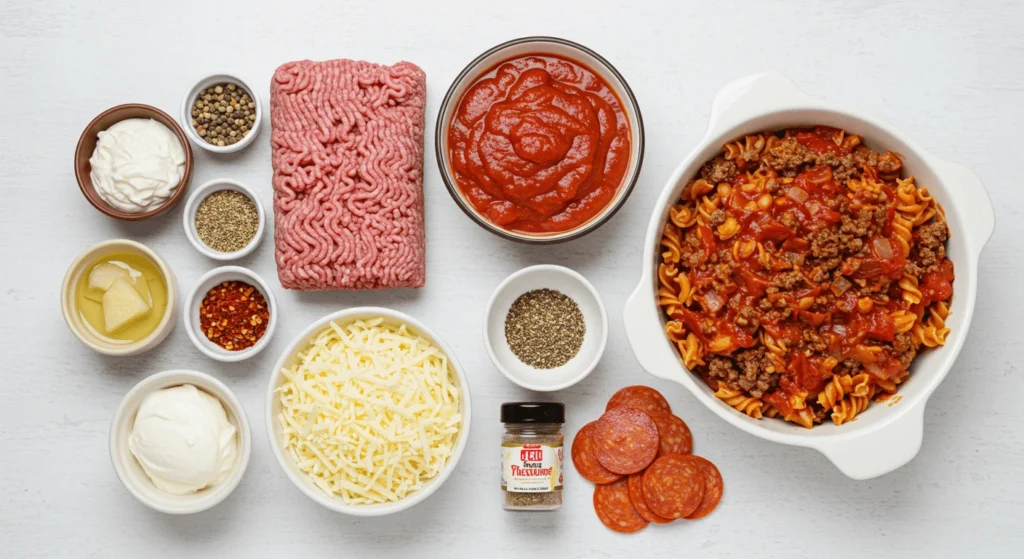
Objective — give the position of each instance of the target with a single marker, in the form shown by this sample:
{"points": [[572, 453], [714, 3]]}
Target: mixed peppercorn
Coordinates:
{"points": [[223, 114]]}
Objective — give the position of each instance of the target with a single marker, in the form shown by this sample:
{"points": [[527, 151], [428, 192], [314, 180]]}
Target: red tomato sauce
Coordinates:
{"points": [[539, 144]]}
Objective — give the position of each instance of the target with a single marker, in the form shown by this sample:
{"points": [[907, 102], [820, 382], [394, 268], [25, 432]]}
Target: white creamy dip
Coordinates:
{"points": [[183, 440], [137, 165]]}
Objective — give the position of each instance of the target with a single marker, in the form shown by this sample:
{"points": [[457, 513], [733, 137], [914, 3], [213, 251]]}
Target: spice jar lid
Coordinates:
{"points": [[532, 412]]}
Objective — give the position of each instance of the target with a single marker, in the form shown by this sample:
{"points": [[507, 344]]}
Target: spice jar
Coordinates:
{"points": [[531, 455]]}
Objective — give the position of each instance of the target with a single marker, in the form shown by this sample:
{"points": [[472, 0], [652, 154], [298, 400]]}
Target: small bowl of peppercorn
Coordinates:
{"points": [[221, 113], [224, 219], [231, 314]]}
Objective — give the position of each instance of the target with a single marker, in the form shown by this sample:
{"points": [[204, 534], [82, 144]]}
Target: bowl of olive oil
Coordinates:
{"points": [[119, 298]]}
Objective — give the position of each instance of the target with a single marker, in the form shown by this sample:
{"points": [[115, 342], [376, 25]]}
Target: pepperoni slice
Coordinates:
{"points": [[674, 485], [636, 496], [674, 435], [611, 502], [713, 486], [640, 397], [625, 440], [585, 461]]}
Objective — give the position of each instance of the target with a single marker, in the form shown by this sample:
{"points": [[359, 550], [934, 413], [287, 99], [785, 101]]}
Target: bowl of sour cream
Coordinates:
{"points": [[180, 441], [133, 162]]}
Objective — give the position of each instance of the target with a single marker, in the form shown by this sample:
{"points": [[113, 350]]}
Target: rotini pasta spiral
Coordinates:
{"points": [[911, 292], [777, 347], [835, 390], [862, 385], [691, 351], [903, 320], [707, 206], [747, 149], [804, 418], [908, 198], [682, 216], [743, 249], [847, 409], [699, 188], [675, 331], [729, 229], [671, 242], [742, 402], [901, 229], [932, 331]]}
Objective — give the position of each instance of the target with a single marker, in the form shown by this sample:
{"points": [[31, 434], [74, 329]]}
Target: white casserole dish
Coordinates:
{"points": [[884, 437]]}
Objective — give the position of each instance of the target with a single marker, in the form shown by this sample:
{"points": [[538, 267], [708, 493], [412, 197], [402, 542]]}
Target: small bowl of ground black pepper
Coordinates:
{"points": [[545, 328], [231, 314], [221, 113], [224, 219]]}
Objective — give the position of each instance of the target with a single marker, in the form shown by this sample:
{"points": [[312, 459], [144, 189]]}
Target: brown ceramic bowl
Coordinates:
{"points": [[87, 143]]}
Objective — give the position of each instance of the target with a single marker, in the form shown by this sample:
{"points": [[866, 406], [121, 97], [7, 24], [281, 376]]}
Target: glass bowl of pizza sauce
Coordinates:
{"points": [[539, 140]]}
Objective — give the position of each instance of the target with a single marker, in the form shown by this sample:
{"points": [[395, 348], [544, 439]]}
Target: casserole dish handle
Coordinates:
{"points": [[755, 94], [972, 201], [646, 334], [880, 451]]}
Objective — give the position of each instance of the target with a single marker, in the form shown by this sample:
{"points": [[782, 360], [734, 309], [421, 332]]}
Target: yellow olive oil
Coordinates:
{"points": [[103, 306]]}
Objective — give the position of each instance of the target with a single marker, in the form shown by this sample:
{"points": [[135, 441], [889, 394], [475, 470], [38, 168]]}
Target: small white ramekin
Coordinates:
{"points": [[189, 218], [130, 472], [195, 299], [190, 98], [77, 324], [569, 283]]}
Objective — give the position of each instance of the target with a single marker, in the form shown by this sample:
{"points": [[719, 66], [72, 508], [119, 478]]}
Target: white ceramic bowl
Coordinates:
{"points": [[566, 49], [273, 409], [134, 478], [195, 298], [884, 437], [197, 197], [569, 283], [77, 324], [190, 98]]}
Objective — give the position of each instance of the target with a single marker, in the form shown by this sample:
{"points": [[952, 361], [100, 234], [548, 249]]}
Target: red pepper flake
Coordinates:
{"points": [[234, 315]]}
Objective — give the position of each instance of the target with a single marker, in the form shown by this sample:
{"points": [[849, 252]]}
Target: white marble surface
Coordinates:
{"points": [[951, 74]]}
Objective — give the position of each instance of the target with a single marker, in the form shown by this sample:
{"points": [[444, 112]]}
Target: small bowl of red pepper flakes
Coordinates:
{"points": [[231, 314]]}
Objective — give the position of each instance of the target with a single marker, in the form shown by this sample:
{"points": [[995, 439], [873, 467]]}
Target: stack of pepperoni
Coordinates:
{"points": [[638, 454]]}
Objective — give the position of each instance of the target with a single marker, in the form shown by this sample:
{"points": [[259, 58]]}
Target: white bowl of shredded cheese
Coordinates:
{"points": [[368, 411]]}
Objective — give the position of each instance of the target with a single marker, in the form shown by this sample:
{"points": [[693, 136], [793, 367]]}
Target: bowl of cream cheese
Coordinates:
{"points": [[133, 162], [180, 441]]}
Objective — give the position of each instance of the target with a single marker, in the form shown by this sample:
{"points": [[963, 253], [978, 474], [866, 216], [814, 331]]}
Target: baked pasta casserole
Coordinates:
{"points": [[800, 274]]}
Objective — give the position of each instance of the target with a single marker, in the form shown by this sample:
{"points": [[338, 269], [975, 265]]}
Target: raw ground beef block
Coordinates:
{"points": [[347, 142]]}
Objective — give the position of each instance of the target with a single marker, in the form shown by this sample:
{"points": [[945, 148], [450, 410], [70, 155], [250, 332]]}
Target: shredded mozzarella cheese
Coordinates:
{"points": [[370, 411]]}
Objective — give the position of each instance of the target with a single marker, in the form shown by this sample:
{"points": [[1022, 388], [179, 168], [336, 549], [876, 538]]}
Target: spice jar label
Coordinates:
{"points": [[531, 468]]}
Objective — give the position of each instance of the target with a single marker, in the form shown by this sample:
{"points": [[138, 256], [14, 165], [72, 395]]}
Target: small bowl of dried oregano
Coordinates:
{"points": [[224, 219]]}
